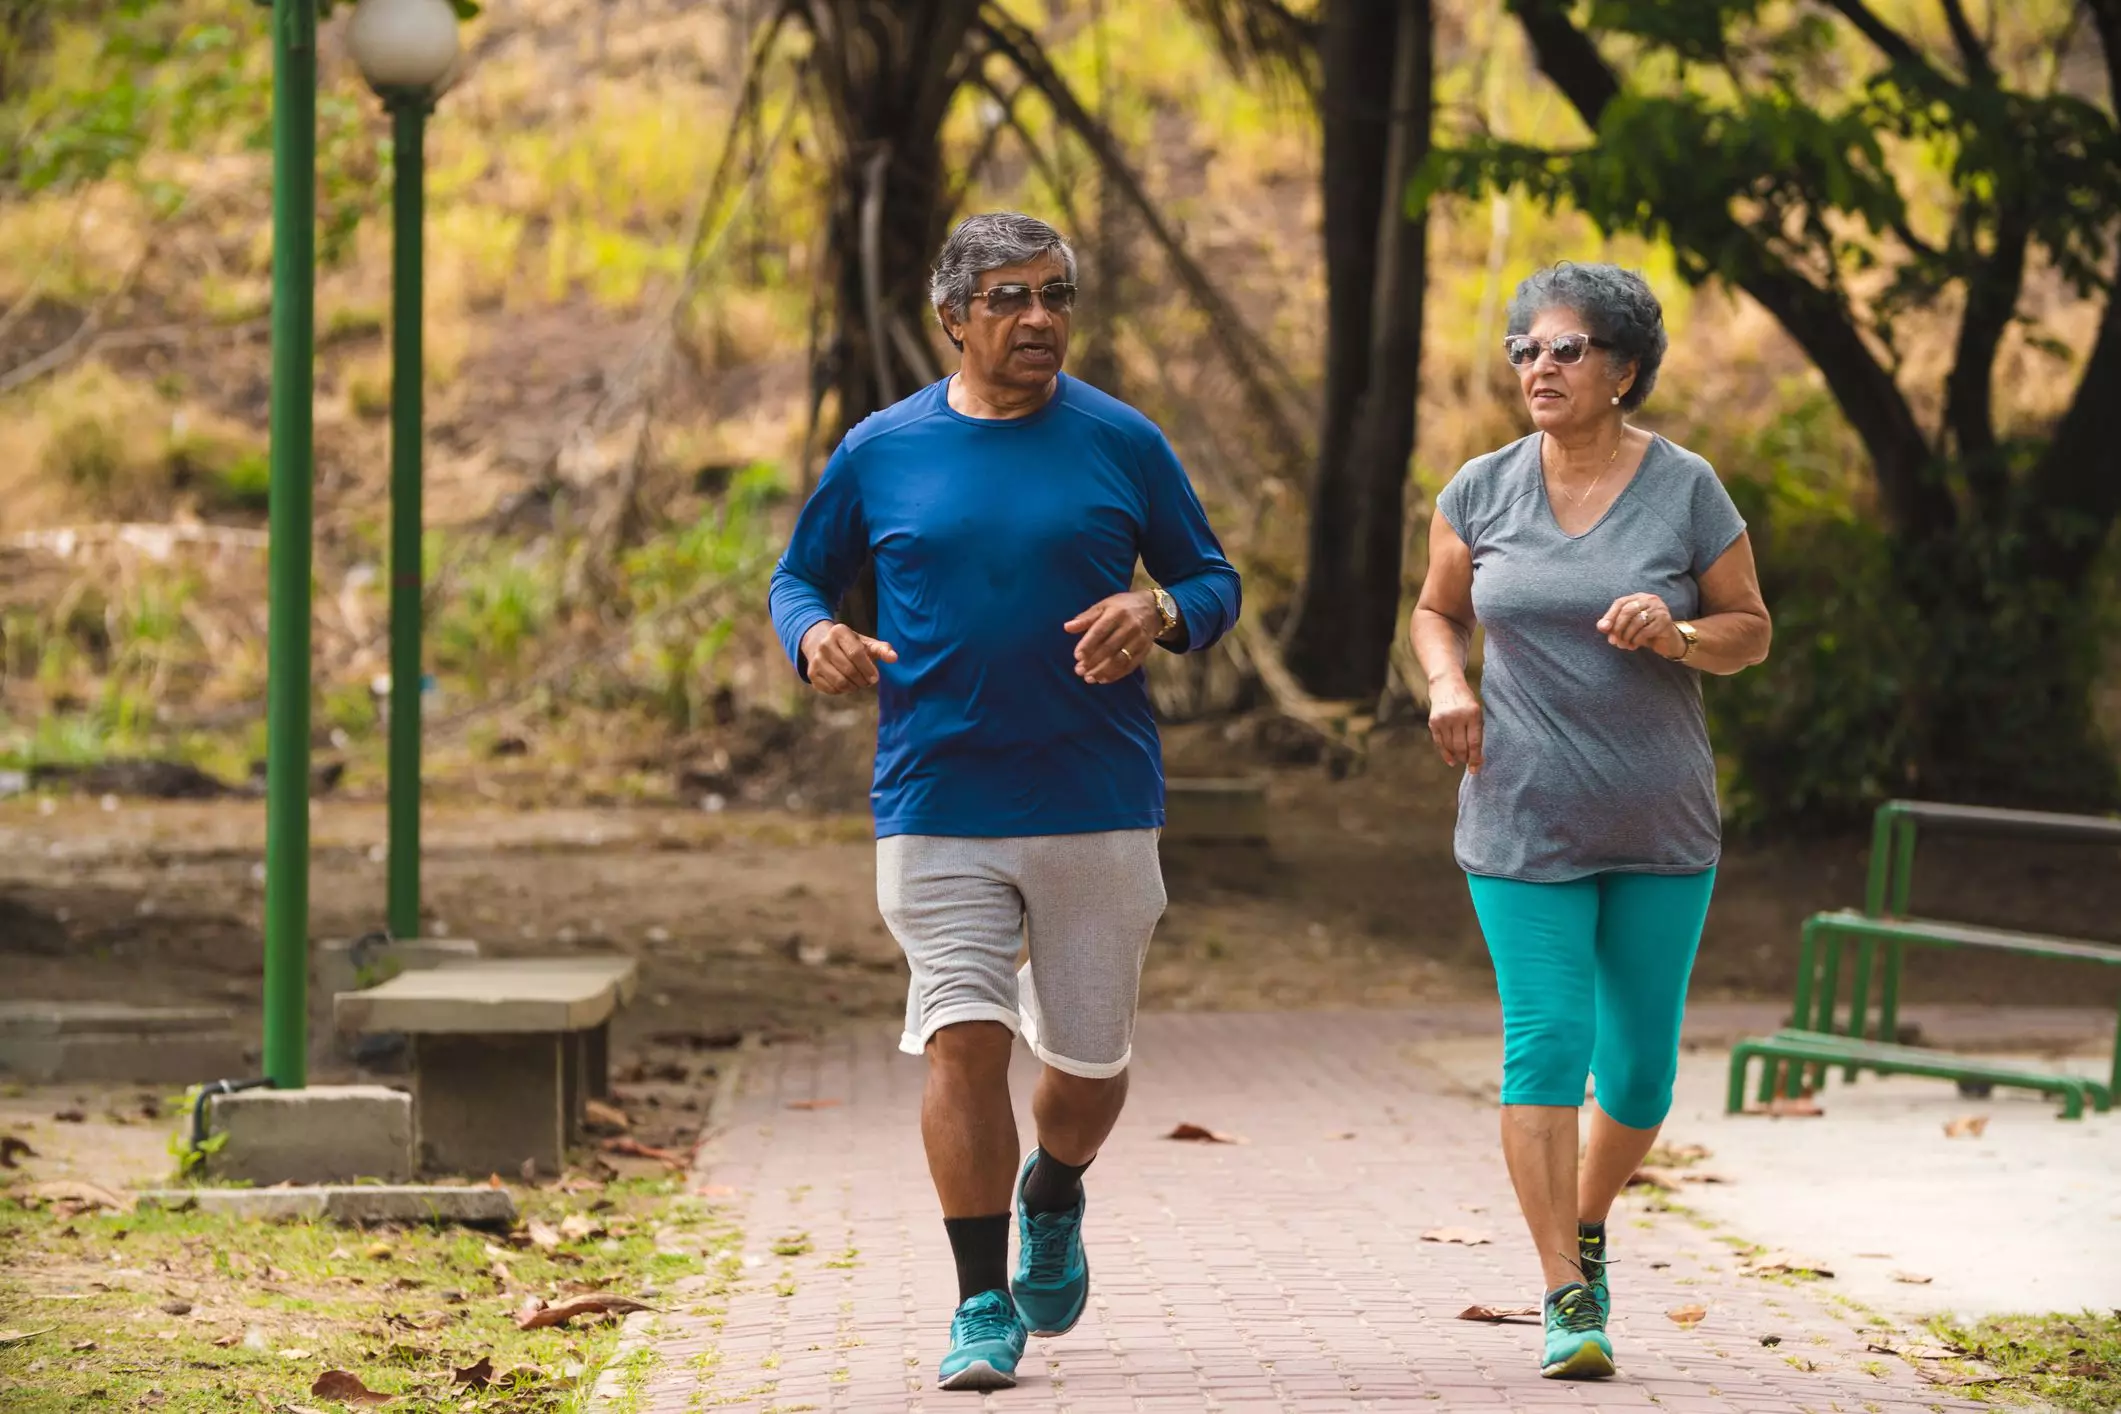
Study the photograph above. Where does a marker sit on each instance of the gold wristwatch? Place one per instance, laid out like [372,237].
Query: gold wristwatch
[1689,636]
[1166,613]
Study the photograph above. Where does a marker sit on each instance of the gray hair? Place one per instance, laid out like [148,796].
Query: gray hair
[986,242]
[1617,304]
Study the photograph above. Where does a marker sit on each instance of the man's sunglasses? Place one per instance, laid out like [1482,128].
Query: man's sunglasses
[1005,300]
[1521,349]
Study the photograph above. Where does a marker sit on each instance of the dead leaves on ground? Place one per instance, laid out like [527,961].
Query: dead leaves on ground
[635,1149]
[1502,1315]
[13,1147]
[1669,1179]
[602,1118]
[70,1198]
[1687,1317]
[1781,1264]
[1190,1133]
[346,1387]
[1463,1236]
[1966,1127]
[536,1314]
[477,1376]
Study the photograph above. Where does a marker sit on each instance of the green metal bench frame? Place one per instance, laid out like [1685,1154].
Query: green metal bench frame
[1882,933]
[1787,1045]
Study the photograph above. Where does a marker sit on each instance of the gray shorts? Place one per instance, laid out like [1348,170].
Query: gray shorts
[1083,906]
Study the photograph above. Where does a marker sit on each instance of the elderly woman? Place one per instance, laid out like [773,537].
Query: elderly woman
[1609,568]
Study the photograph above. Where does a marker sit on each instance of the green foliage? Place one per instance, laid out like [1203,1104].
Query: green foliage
[2065,1361]
[1821,731]
[690,590]
[494,605]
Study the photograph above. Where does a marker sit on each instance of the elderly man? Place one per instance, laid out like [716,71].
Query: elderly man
[1019,785]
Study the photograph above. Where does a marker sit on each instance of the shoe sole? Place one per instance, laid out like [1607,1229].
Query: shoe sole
[981,1375]
[1588,1363]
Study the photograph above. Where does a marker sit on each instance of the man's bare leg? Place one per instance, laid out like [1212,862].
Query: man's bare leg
[967,1122]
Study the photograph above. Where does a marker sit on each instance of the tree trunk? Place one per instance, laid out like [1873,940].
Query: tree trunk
[888,72]
[1377,95]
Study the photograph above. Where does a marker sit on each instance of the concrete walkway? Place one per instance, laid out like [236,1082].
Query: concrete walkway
[1285,1273]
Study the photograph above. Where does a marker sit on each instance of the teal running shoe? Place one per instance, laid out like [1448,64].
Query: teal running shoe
[986,1341]
[1052,1283]
[1591,1257]
[1577,1348]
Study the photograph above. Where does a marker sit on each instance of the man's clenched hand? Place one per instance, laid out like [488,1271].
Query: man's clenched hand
[841,660]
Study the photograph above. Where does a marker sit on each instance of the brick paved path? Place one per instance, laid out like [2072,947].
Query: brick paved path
[1286,1273]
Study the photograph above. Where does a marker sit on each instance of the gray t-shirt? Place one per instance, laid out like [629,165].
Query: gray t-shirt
[1595,760]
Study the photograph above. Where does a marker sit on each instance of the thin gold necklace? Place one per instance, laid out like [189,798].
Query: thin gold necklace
[1610,456]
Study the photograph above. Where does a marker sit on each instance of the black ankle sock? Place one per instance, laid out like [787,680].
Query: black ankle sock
[1052,1186]
[981,1246]
[1590,1249]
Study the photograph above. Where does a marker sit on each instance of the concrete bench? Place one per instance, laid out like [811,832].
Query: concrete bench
[504,1052]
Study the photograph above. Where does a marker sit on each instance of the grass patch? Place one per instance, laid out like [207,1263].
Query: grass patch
[2071,1362]
[196,1312]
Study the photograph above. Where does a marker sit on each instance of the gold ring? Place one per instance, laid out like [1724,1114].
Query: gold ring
[1644,615]
[1125,654]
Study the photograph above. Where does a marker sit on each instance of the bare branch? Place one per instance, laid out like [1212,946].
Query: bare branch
[1893,44]
[1264,375]
[1971,50]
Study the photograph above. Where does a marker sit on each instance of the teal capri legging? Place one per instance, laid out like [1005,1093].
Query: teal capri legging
[1593,976]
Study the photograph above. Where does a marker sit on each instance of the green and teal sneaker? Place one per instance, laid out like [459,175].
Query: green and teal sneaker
[1577,1348]
[986,1340]
[1591,1257]
[1052,1282]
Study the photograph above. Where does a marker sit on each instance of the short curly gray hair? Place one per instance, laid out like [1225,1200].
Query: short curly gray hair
[986,242]
[1617,304]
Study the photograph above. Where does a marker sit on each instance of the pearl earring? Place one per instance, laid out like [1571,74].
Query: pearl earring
[1616,400]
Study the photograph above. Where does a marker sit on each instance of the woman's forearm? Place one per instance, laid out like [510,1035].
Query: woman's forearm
[1729,642]
[1440,644]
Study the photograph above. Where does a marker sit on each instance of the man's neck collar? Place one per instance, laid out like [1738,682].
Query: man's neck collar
[962,397]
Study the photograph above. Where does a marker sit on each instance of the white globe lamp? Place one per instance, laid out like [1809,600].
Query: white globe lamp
[404,46]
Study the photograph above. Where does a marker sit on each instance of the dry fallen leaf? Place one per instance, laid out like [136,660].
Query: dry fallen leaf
[346,1387]
[1965,1127]
[13,1147]
[1911,1279]
[542,1234]
[580,1227]
[1688,1316]
[814,1104]
[1928,1352]
[66,1193]
[1498,1315]
[1769,1264]
[17,1337]
[1464,1236]
[1788,1107]
[600,1304]
[634,1148]
[70,1117]
[176,1308]
[478,1376]
[599,1116]
[1201,1134]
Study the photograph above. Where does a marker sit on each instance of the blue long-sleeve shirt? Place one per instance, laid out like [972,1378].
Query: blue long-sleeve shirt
[988,536]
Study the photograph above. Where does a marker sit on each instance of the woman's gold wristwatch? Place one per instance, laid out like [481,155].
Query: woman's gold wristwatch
[1689,637]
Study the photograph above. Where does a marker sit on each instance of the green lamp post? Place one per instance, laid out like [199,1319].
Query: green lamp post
[294,219]
[406,49]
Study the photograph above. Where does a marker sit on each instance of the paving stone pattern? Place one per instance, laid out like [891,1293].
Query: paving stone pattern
[1285,1273]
